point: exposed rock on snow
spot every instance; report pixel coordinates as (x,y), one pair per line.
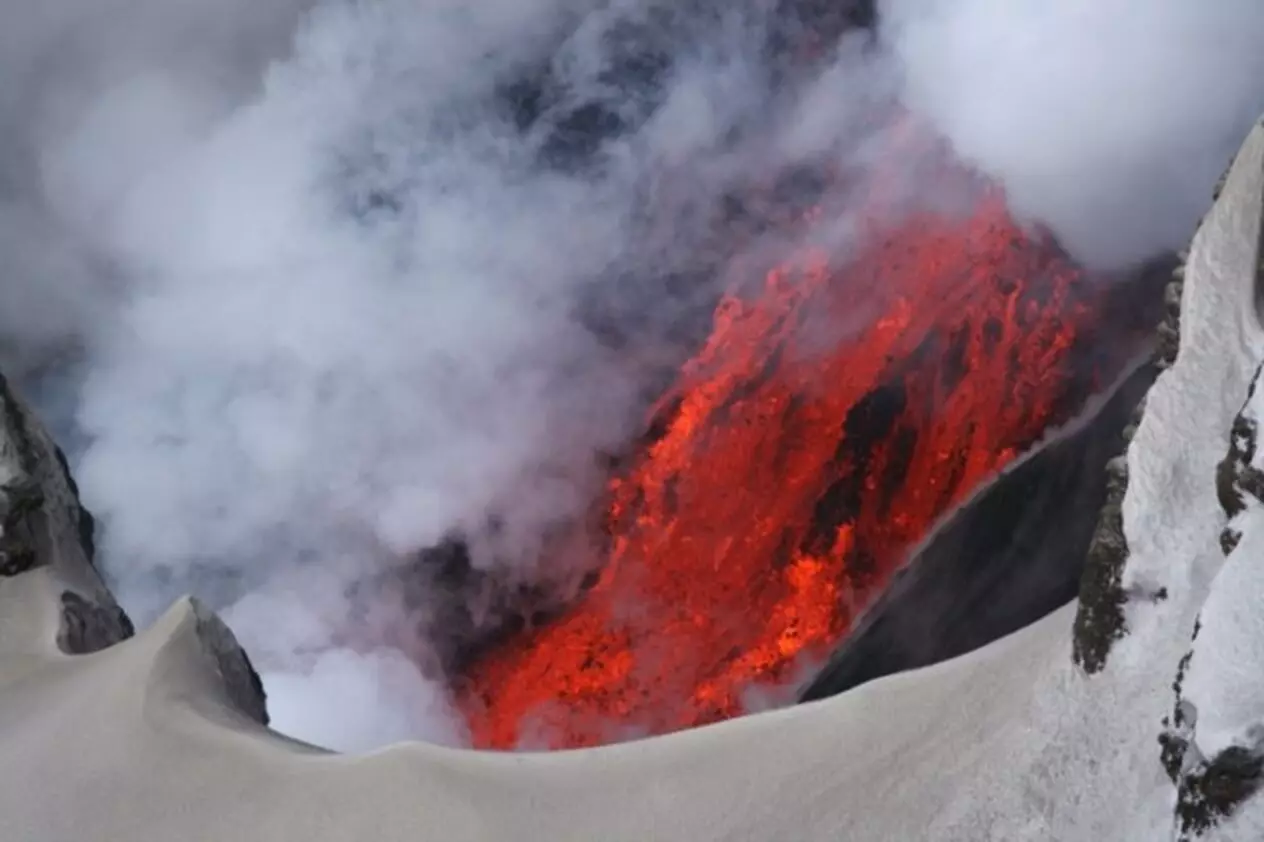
(43,527)
(231,663)
(43,524)
(1236,477)
(1217,732)
(1099,621)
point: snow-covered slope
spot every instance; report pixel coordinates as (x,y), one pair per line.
(159,738)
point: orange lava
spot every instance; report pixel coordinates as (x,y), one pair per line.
(791,471)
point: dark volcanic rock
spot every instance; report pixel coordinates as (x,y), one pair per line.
(1236,478)
(1009,557)
(241,682)
(1213,789)
(1208,789)
(90,627)
(43,524)
(1099,620)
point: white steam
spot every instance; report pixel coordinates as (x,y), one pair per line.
(1105,119)
(311,291)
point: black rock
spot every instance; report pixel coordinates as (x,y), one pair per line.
(1009,557)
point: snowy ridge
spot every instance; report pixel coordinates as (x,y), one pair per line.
(1216,738)
(1182,494)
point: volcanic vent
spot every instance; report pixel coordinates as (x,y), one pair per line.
(787,473)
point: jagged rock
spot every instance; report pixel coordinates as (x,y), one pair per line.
(1213,784)
(1178,728)
(1208,789)
(240,680)
(1099,622)
(1168,332)
(1236,478)
(1212,790)
(43,524)
(90,627)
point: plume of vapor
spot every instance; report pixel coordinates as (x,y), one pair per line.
(1107,121)
(320,297)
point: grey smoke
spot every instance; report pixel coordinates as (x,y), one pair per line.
(310,294)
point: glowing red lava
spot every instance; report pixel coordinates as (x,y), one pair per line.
(788,477)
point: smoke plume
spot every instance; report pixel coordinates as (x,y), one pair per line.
(310,287)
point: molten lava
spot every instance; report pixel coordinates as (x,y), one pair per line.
(789,472)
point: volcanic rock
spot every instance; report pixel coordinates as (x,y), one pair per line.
(45,530)
(43,524)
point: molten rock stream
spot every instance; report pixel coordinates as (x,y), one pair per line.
(789,472)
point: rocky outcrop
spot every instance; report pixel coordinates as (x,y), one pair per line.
(238,678)
(1212,782)
(1213,789)
(43,524)
(1236,478)
(1208,789)
(1099,620)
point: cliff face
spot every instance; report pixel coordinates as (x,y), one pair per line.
(1191,530)
(42,524)
(1099,619)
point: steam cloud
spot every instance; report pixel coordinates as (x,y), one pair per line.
(307,291)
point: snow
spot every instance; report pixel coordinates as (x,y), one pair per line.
(1171,510)
(1011,742)
(1225,681)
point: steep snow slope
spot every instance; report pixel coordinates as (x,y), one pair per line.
(158,737)
(1088,765)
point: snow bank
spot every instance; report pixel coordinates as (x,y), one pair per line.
(1225,682)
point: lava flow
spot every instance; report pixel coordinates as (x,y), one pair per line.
(789,473)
